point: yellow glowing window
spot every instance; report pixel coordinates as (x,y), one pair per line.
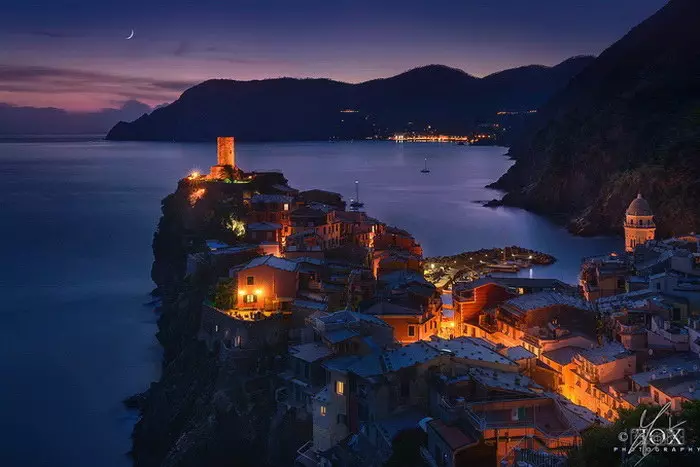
(339,388)
(286,207)
(323,410)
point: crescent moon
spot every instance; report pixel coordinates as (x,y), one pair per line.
(131,35)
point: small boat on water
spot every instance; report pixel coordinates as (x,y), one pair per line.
(425,170)
(356,204)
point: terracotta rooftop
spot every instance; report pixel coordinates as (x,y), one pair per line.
(273,262)
(563,355)
(535,301)
(452,435)
(607,352)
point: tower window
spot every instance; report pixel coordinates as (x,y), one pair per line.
(250,280)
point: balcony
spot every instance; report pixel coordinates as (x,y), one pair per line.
(450,411)
(530,339)
(488,324)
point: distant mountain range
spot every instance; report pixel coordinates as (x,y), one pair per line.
(50,121)
(442,98)
(629,122)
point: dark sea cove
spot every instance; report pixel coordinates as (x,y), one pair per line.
(78,216)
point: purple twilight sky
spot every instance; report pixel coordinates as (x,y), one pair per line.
(74,54)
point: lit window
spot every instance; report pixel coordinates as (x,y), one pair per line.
(411,331)
(250,280)
(250,298)
(340,388)
(323,407)
(286,208)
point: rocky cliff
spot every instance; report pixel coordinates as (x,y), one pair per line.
(284,109)
(202,412)
(629,122)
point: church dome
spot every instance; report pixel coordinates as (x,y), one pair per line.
(639,207)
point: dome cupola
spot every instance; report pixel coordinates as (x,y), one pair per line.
(639,207)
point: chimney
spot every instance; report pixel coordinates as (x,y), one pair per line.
(225,152)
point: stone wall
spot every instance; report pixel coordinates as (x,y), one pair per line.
(218,328)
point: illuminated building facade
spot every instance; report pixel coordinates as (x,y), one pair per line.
(639,224)
(266,283)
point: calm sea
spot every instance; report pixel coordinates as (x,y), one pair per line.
(76,224)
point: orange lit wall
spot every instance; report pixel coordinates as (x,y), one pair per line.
(485,297)
(268,284)
(424,327)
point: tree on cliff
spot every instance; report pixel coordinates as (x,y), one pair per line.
(599,443)
(225,294)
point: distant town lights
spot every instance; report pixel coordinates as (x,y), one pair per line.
(194,174)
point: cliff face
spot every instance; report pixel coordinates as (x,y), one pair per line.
(310,109)
(629,122)
(202,410)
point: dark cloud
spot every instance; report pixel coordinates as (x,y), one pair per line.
(37,79)
(56,34)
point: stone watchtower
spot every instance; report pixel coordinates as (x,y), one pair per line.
(639,224)
(225,158)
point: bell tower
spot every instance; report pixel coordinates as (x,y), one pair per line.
(225,151)
(225,167)
(639,224)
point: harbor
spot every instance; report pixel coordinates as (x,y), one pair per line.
(443,271)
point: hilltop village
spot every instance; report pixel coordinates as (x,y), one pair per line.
(326,315)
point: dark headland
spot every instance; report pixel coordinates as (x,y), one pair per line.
(442,98)
(629,122)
